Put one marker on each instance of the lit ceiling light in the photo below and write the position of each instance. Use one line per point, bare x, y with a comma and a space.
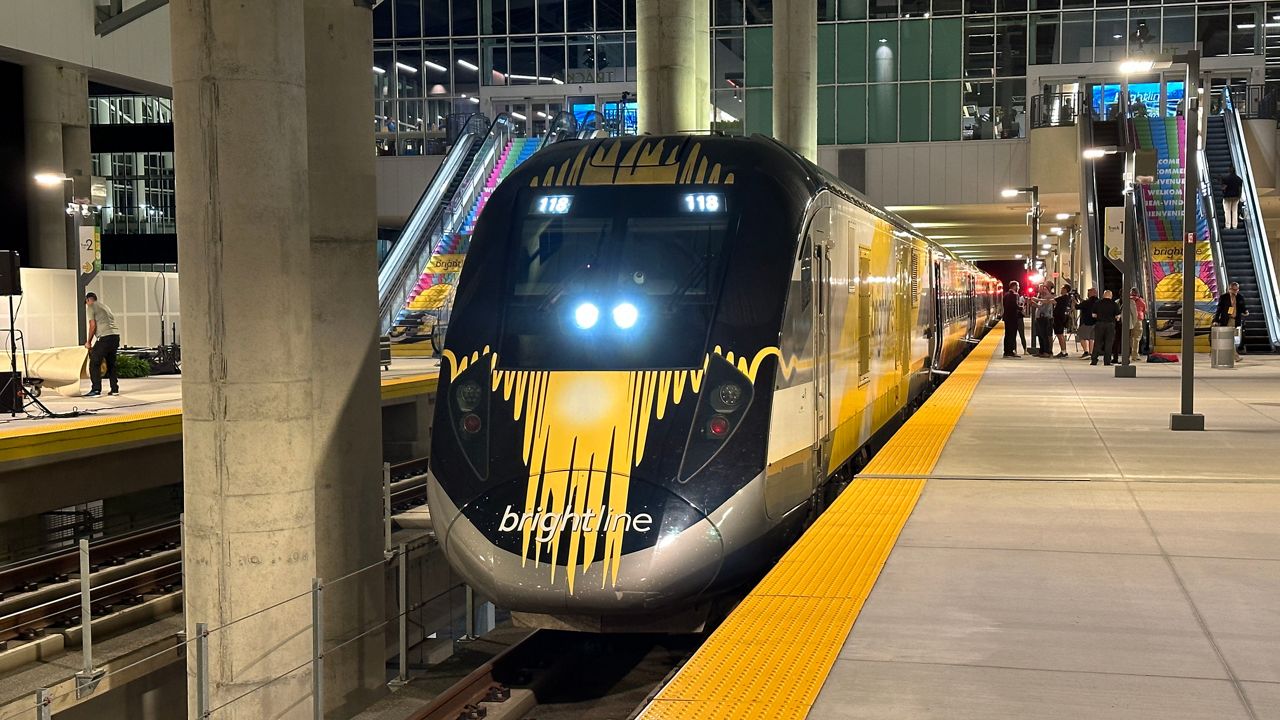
1246, 26
518, 116
51, 179
1018, 256
379, 70
884, 40
541, 114
407, 68
1117, 36
435, 66
1058, 231
470, 66
475, 100
1009, 193
1137, 65
1063, 216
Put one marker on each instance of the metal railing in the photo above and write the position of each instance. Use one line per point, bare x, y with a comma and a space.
564, 124
1061, 109
1251, 102
593, 121
1255, 230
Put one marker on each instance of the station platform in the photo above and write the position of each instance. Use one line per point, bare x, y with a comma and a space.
148, 410
1034, 542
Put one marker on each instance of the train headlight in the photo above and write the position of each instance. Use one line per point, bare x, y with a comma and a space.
586, 315
468, 394
726, 398
625, 315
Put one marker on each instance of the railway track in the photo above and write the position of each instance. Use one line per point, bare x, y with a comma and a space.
561, 675
40, 596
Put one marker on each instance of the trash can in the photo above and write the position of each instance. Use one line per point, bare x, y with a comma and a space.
1222, 347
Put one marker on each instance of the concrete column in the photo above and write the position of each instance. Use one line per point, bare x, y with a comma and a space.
77, 158
667, 65
702, 62
795, 75
46, 206
245, 246
347, 419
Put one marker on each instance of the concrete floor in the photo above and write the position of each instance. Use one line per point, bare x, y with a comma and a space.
160, 392
1073, 558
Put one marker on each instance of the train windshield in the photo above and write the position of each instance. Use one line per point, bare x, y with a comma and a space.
611, 278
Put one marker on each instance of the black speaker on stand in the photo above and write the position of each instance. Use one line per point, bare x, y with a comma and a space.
12, 390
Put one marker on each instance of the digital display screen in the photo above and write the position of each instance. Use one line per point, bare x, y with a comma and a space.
553, 205
703, 203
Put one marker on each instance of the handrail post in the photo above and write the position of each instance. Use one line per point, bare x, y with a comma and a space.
402, 624
88, 677
202, 671
44, 704
386, 510
317, 648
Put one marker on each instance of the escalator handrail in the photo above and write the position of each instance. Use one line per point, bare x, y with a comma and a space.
585, 126
404, 264
563, 121
1263, 263
1093, 238
1210, 210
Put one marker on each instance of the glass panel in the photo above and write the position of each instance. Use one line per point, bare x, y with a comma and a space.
493, 16
947, 45
1179, 30
947, 7
759, 62
914, 112
728, 12
882, 54
582, 60
882, 9
608, 14
851, 9
630, 63
408, 19
826, 54
826, 115
1006, 6
827, 10
1009, 115
978, 7
915, 8
1077, 37
914, 64
979, 47
851, 114
851, 49
1247, 25
435, 18
610, 63
1046, 4
466, 64
1213, 30
550, 58
728, 110
977, 122
436, 69
408, 70
759, 112
524, 62
382, 26
726, 59
550, 16
464, 17
760, 12
882, 113
1045, 38
629, 15
494, 67
1110, 44
579, 15
1011, 46
521, 15
944, 115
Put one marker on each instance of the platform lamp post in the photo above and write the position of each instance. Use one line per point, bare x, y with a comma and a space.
51, 180
1033, 218
1188, 418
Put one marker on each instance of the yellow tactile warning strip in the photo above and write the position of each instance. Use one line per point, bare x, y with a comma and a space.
771, 656
38, 440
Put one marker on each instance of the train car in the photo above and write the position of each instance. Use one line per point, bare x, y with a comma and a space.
666, 355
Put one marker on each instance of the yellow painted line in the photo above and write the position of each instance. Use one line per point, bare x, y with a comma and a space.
772, 654
37, 439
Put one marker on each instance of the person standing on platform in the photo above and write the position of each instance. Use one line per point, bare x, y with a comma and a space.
1136, 309
1232, 186
1012, 320
1231, 313
1105, 313
1044, 322
1087, 321
1061, 318
102, 324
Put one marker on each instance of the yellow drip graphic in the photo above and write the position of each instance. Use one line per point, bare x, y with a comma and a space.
583, 433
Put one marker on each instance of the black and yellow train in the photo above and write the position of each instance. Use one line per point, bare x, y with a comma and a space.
665, 351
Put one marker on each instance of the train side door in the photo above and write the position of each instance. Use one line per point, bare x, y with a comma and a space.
820, 241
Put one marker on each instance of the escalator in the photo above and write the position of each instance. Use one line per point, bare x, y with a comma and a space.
1107, 183
1244, 253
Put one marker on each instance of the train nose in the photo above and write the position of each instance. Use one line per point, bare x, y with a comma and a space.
647, 549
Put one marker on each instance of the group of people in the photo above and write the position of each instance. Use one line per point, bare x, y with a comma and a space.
1054, 315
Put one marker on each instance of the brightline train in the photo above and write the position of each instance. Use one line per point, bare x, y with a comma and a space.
666, 355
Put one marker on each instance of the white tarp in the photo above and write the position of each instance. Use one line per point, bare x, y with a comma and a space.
61, 369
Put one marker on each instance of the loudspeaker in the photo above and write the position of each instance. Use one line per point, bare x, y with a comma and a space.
10, 392
10, 273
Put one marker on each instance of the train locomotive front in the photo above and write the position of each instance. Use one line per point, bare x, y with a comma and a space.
604, 401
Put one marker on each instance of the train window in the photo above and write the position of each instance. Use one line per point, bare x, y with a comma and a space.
642, 251
864, 313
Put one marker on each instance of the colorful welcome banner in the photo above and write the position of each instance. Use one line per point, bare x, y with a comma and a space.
1163, 205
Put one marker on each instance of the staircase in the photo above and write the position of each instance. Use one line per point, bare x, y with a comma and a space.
430, 295
1237, 258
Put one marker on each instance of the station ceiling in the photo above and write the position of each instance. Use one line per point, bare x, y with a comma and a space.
994, 231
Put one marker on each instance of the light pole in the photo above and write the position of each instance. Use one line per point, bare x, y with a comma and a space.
1034, 216
1188, 418
51, 180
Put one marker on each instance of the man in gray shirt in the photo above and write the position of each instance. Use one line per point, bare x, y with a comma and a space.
102, 324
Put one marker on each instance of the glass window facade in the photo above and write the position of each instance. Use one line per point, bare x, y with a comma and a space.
888, 70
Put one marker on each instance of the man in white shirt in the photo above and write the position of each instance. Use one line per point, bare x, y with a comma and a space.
102, 324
